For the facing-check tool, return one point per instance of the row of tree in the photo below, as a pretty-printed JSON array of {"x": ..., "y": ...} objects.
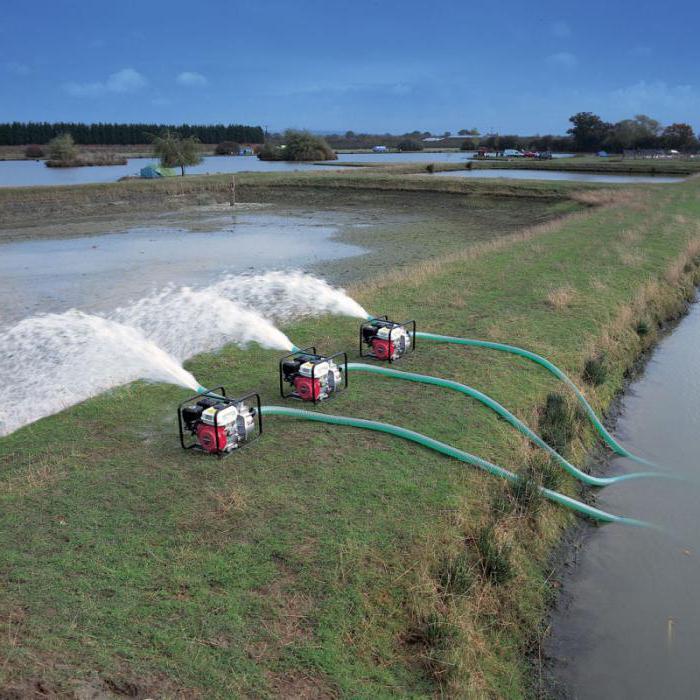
[
  {"x": 590, "y": 133},
  {"x": 22, "y": 133}
]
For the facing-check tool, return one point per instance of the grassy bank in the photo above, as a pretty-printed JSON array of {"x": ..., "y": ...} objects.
[
  {"x": 327, "y": 562},
  {"x": 593, "y": 164}
]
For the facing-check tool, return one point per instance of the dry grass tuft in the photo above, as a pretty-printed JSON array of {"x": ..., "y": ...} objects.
[{"x": 560, "y": 298}]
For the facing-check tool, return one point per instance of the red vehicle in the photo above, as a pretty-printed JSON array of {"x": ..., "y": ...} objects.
[{"x": 530, "y": 154}]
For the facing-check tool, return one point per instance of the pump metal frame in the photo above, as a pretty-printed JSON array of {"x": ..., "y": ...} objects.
[
  {"x": 408, "y": 326},
  {"x": 311, "y": 350},
  {"x": 218, "y": 393}
]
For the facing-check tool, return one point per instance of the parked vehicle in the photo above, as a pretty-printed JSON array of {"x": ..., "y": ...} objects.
[
  {"x": 544, "y": 155},
  {"x": 512, "y": 153}
]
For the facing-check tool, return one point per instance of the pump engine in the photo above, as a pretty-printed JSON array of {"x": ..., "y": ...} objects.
[
  {"x": 313, "y": 377},
  {"x": 387, "y": 340},
  {"x": 217, "y": 424}
]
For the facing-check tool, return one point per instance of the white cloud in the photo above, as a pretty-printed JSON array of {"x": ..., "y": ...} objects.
[
  {"x": 191, "y": 79},
  {"x": 560, "y": 29},
  {"x": 123, "y": 81},
  {"x": 564, "y": 59},
  {"x": 16, "y": 68},
  {"x": 659, "y": 96}
]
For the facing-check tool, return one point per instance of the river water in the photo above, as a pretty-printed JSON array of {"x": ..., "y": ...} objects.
[{"x": 628, "y": 621}]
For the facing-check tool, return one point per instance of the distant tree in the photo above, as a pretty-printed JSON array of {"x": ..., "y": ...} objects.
[
  {"x": 62, "y": 149},
  {"x": 410, "y": 145},
  {"x": 589, "y": 131},
  {"x": 228, "y": 148},
  {"x": 175, "y": 151},
  {"x": 447, "y": 134},
  {"x": 679, "y": 136},
  {"x": 349, "y": 134},
  {"x": 463, "y": 132},
  {"x": 34, "y": 151},
  {"x": 640, "y": 132}
]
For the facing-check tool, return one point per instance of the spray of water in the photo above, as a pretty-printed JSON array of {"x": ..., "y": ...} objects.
[
  {"x": 53, "y": 361},
  {"x": 287, "y": 295},
  {"x": 186, "y": 322}
]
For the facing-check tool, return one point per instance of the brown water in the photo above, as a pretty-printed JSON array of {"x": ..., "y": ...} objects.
[{"x": 628, "y": 622}]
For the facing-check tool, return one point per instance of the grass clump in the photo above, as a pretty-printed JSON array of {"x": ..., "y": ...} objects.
[
  {"x": 493, "y": 558},
  {"x": 455, "y": 574},
  {"x": 558, "y": 422},
  {"x": 544, "y": 470},
  {"x": 595, "y": 370},
  {"x": 642, "y": 328}
]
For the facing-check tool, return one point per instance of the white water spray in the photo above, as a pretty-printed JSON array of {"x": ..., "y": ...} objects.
[
  {"x": 287, "y": 295},
  {"x": 186, "y": 322},
  {"x": 50, "y": 362}
]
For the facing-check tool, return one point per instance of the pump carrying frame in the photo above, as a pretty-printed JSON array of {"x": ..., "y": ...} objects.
[
  {"x": 218, "y": 393},
  {"x": 408, "y": 326},
  {"x": 311, "y": 350}
]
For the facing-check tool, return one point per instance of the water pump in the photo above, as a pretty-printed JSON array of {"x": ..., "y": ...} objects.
[
  {"x": 217, "y": 424},
  {"x": 387, "y": 340},
  {"x": 313, "y": 377}
]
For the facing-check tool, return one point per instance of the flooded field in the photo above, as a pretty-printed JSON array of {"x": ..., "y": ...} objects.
[
  {"x": 99, "y": 273},
  {"x": 628, "y": 624},
  {"x": 558, "y": 175}
]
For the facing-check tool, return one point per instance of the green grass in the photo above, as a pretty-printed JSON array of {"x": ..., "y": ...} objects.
[{"x": 312, "y": 562}]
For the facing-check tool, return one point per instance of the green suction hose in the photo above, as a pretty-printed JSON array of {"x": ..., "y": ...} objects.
[
  {"x": 553, "y": 369},
  {"x": 504, "y": 413},
  {"x": 443, "y": 448}
]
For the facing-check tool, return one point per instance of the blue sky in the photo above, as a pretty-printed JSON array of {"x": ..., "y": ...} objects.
[{"x": 366, "y": 65}]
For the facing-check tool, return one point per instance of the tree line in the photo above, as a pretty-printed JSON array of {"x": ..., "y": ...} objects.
[
  {"x": 107, "y": 134},
  {"x": 590, "y": 133}
]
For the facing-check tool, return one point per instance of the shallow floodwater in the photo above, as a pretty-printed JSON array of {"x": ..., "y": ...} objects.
[
  {"x": 100, "y": 273},
  {"x": 628, "y": 624},
  {"x": 515, "y": 174}
]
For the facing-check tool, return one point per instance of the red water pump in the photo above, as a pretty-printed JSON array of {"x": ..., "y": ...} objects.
[
  {"x": 387, "y": 340},
  {"x": 313, "y": 377},
  {"x": 217, "y": 424}
]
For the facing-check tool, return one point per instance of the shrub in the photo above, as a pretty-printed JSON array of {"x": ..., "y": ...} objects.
[
  {"x": 430, "y": 168},
  {"x": 62, "y": 149},
  {"x": 410, "y": 145},
  {"x": 34, "y": 151},
  {"x": 228, "y": 148},
  {"x": 467, "y": 145},
  {"x": 299, "y": 146},
  {"x": 595, "y": 370},
  {"x": 494, "y": 558},
  {"x": 557, "y": 422}
]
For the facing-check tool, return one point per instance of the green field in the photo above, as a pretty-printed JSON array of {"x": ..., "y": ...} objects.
[{"x": 326, "y": 561}]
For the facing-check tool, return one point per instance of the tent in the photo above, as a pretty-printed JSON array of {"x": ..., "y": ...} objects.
[{"x": 153, "y": 171}]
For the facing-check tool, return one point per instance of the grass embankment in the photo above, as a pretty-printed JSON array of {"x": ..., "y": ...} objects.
[
  {"x": 326, "y": 561},
  {"x": 593, "y": 164}
]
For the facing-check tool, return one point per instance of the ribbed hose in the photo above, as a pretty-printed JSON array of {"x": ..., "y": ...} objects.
[
  {"x": 443, "y": 448},
  {"x": 553, "y": 369},
  {"x": 504, "y": 413}
]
